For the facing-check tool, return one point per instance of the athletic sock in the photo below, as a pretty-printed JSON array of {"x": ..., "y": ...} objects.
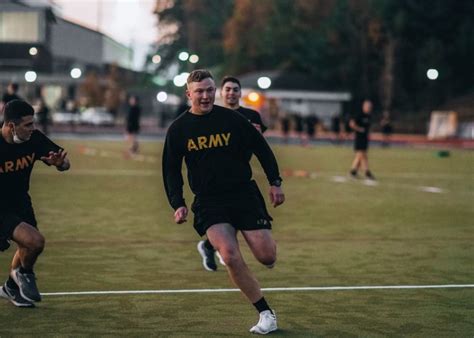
[
  {"x": 208, "y": 245},
  {"x": 262, "y": 305},
  {"x": 11, "y": 283}
]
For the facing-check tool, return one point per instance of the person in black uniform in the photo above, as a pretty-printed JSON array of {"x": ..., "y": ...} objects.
[
  {"x": 133, "y": 124},
  {"x": 361, "y": 126},
  {"x": 42, "y": 113},
  {"x": 217, "y": 144},
  {"x": 231, "y": 92},
  {"x": 9, "y": 95},
  {"x": 20, "y": 147},
  {"x": 387, "y": 129}
]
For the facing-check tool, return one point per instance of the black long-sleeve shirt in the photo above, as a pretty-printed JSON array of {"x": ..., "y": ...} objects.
[
  {"x": 252, "y": 116},
  {"x": 217, "y": 148}
]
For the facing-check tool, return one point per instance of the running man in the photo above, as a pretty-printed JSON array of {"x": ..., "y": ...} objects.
[
  {"x": 231, "y": 92},
  {"x": 20, "y": 147},
  {"x": 217, "y": 144},
  {"x": 361, "y": 125}
]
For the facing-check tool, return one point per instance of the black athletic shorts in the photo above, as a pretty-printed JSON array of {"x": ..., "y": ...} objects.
[
  {"x": 246, "y": 214},
  {"x": 10, "y": 219},
  {"x": 361, "y": 142}
]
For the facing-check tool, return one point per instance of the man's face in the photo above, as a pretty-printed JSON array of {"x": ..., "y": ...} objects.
[
  {"x": 367, "y": 107},
  {"x": 202, "y": 95},
  {"x": 24, "y": 128},
  {"x": 231, "y": 94}
]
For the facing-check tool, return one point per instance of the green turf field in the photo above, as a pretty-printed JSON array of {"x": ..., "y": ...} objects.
[{"x": 109, "y": 227}]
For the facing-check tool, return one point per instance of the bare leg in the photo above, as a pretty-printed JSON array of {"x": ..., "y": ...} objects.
[
  {"x": 30, "y": 245},
  {"x": 16, "y": 262},
  {"x": 223, "y": 238},
  {"x": 262, "y": 245},
  {"x": 364, "y": 161},
  {"x": 357, "y": 160}
]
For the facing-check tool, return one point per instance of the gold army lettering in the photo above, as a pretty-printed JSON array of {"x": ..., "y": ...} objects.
[
  {"x": 18, "y": 164},
  {"x": 211, "y": 141}
]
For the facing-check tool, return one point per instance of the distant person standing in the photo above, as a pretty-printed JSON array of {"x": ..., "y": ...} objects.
[
  {"x": 361, "y": 126},
  {"x": 336, "y": 127},
  {"x": 387, "y": 129},
  {"x": 299, "y": 126},
  {"x": 9, "y": 95},
  {"x": 311, "y": 122},
  {"x": 231, "y": 92},
  {"x": 285, "y": 126},
  {"x": 133, "y": 124},
  {"x": 42, "y": 113}
]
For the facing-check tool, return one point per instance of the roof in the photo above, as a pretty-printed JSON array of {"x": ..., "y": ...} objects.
[{"x": 285, "y": 80}]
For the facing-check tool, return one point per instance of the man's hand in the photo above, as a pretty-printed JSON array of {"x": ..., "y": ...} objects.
[
  {"x": 258, "y": 127},
  {"x": 277, "y": 196},
  {"x": 57, "y": 159},
  {"x": 180, "y": 215}
]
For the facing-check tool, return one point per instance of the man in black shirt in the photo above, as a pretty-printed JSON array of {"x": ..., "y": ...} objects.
[
  {"x": 217, "y": 144},
  {"x": 9, "y": 95},
  {"x": 20, "y": 147},
  {"x": 361, "y": 125},
  {"x": 231, "y": 92}
]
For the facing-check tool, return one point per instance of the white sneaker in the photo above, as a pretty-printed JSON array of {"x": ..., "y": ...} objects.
[
  {"x": 220, "y": 258},
  {"x": 266, "y": 324}
]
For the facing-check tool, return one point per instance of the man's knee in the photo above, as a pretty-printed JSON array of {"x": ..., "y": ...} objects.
[
  {"x": 35, "y": 243},
  {"x": 268, "y": 260},
  {"x": 29, "y": 237},
  {"x": 230, "y": 256},
  {"x": 267, "y": 256}
]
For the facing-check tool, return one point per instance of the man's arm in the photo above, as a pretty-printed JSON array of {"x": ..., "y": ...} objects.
[
  {"x": 355, "y": 127},
  {"x": 172, "y": 177},
  {"x": 267, "y": 159}
]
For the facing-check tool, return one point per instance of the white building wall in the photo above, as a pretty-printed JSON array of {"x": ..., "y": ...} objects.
[{"x": 69, "y": 40}]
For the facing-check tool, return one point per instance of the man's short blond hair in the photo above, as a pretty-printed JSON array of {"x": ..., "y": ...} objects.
[{"x": 198, "y": 75}]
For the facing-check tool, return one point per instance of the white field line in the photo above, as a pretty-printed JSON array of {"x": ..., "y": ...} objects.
[{"x": 309, "y": 288}]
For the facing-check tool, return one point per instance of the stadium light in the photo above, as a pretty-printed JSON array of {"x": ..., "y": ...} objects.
[
  {"x": 161, "y": 96},
  {"x": 76, "y": 73},
  {"x": 33, "y": 51},
  {"x": 30, "y": 76},
  {"x": 264, "y": 82},
  {"x": 180, "y": 80},
  {"x": 432, "y": 74},
  {"x": 156, "y": 59},
  {"x": 194, "y": 58},
  {"x": 183, "y": 56}
]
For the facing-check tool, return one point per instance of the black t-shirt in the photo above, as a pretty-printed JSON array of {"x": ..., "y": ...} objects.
[
  {"x": 363, "y": 120},
  {"x": 16, "y": 164},
  {"x": 217, "y": 148},
  {"x": 253, "y": 117},
  {"x": 133, "y": 118},
  {"x": 9, "y": 97}
]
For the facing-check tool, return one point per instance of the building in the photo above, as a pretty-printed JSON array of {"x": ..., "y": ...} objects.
[
  {"x": 49, "y": 56},
  {"x": 291, "y": 94}
]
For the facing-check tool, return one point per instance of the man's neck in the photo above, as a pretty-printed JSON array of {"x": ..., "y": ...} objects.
[
  {"x": 7, "y": 136},
  {"x": 233, "y": 107}
]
